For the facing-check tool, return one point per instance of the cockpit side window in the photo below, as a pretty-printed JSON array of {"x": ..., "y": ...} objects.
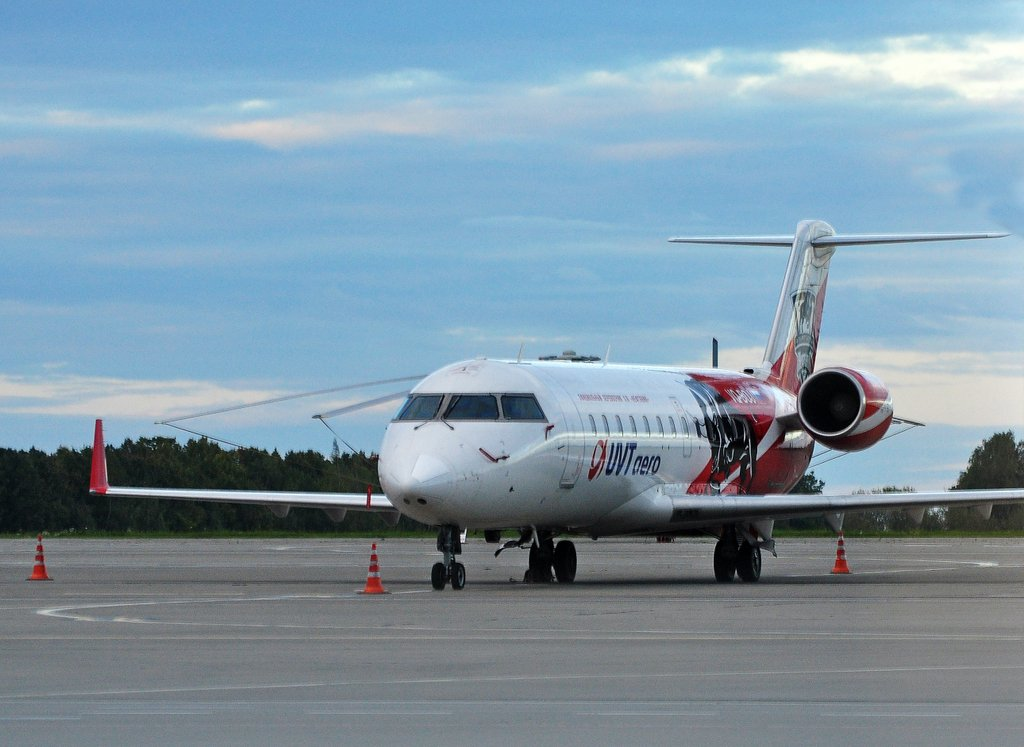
[
  {"x": 420, "y": 407},
  {"x": 472, "y": 407},
  {"x": 521, "y": 407}
]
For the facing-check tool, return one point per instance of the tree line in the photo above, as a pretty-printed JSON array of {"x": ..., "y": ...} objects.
[{"x": 49, "y": 492}]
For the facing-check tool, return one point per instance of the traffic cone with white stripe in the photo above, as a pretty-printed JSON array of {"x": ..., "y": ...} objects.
[
  {"x": 373, "y": 584},
  {"x": 39, "y": 569},
  {"x": 840, "y": 566}
]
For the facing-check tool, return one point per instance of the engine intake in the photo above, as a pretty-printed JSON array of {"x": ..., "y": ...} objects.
[{"x": 844, "y": 409}]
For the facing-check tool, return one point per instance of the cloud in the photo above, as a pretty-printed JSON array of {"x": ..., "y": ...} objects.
[
  {"x": 975, "y": 69},
  {"x": 539, "y": 223},
  {"x": 416, "y": 119},
  {"x": 663, "y": 149},
  {"x": 170, "y": 257},
  {"x": 71, "y": 395},
  {"x": 26, "y": 148},
  {"x": 972, "y": 71}
]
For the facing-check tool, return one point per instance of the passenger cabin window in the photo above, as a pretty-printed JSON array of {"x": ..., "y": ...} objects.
[
  {"x": 472, "y": 407},
  {"x": 521, "y": 407},
  {"x": 420, "y": 407}
]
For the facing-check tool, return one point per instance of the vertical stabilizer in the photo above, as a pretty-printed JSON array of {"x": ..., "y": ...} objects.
[{"x": 793, "y": 341}]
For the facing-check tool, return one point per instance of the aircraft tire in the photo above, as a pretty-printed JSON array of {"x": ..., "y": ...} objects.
[
  {"x": 438, "y": 575},
  {"x": 565, "y": 562},
  {"x": 540, "y": 565},
  {"x": 725, "y": 562},
  {"x": 748, "y": 562},
  {"x": 458, "y": 576}
]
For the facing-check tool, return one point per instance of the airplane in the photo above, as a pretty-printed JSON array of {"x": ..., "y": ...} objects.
[{"x": 575, "y": 446}]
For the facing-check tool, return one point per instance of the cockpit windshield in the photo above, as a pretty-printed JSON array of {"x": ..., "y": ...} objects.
[
  {"x": 471, "y": 407},
  {"x": 420, "y": 407},
  {"x": 521, "y": 407},
  {"x": 516, "y": 407}
]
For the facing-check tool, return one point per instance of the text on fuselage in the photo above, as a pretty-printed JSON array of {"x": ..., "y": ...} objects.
[{"x": 620, "y": 458}]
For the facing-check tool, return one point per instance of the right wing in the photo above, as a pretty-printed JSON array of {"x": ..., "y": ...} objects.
[{"x": 334, "y": 504}]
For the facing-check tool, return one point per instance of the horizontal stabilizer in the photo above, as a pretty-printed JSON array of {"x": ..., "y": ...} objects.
[
  {"x": 900, "y": 238},
  {"x": 836, "y": 239},
  {"x": 735, "y": 240}
]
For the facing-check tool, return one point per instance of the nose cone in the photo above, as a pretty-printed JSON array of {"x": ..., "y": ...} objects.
[{"x": 418, "y": 484}]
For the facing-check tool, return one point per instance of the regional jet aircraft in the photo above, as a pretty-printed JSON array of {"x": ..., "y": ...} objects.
[{"x": 553, "y": 448}]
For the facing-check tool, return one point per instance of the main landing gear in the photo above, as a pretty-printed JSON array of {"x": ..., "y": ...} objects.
[
  {"x": 548, "y": 561},
  {"x": 736, "y": 558},
  {"x": 450, "y": 544}
]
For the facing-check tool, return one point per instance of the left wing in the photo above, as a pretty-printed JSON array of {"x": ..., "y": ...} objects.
[
  {"x": 335, "y": 504},
  {"x": 702, "y": 509}
]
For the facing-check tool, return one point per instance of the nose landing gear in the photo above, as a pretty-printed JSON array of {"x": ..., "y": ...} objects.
[{"x": 449, "y": 543}]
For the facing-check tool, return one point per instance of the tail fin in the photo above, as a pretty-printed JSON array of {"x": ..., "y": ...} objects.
[{"x": 793, "y": 342}]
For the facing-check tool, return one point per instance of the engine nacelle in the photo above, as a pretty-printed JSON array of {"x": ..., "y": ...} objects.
[{"x": 844, "y": 409}]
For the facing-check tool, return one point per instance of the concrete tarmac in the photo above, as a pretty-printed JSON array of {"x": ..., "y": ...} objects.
[{"x": 269, "y": 642}]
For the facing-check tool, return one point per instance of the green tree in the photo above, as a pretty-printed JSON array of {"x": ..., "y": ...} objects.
[{"x": 997, "y": 463}]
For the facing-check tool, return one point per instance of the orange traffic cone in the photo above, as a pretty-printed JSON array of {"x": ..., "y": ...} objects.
[
  {"x": 373, "y": 585},
  {"x": 39, "y": 569},
  {"x": 840, "y": 566}
]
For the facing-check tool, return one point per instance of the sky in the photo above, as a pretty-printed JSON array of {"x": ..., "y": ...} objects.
[{"x": 210, "y": 204}]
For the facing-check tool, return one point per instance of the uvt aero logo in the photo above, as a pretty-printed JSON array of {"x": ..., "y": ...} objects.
[{"x": 618, "y": 458}]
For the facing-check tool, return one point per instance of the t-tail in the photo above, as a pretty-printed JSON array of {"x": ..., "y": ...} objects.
[{"x": 793, "y": 341}]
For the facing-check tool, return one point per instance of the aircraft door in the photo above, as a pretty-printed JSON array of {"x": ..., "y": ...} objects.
[{"x": 572, "y": 442}]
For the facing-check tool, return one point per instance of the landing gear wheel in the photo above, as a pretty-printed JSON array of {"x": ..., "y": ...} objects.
[
  {"x": 458, "y": 576},
  {"x": 748, "y": 562},
  {"x": 438, "y": 576},
  {"x": 565, "y": 562},
  {"x": 725, "y": 558},
  {"x": 540, "y": 564}
]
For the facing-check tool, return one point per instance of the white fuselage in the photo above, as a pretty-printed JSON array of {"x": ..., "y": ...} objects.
[{"x": 604, "y": 453}]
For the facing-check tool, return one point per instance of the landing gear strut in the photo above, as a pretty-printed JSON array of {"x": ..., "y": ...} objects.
[
  {"x": 449, "y": 543},
  {"x": 735, "y": 558}
]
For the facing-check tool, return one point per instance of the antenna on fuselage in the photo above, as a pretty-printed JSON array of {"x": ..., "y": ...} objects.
[
  {"x": 714, "y": 352},
  {"x": 607, "y": 354},
  {"x": 519, "y": 358}
]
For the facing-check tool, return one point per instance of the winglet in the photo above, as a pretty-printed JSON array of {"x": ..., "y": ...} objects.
[{"x": 98, "y": 478}]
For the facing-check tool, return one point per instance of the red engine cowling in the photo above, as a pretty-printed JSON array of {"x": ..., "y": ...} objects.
[{"x": 844, "y": 409}]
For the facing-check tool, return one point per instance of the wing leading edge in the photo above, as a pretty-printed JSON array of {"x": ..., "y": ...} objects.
[
  {"x": 703, "y": 509},
  {"x": 277, "y": 501}
]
